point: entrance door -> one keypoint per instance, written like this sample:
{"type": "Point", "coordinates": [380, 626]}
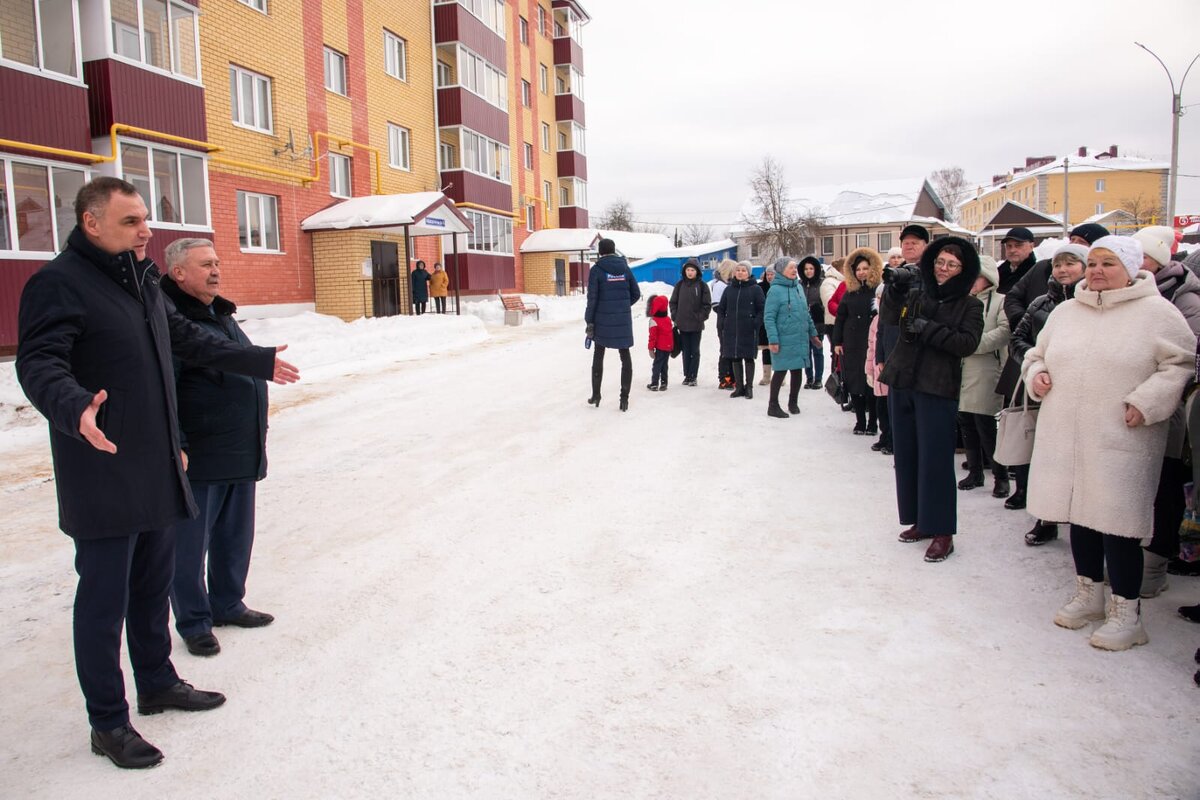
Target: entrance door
{"type": "Point", "coordinates": [385, 279]}
{"type": "Point", "coordinates": [560, 277]}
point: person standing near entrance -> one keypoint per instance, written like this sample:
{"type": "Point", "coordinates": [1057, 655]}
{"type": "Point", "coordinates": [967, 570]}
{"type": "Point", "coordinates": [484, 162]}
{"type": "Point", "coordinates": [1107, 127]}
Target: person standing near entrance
{"type": "Point", "coordinates": [612, 292]}
{"type": "Point", "coordinates": [420, 287]}
{"type": "Point", "coordinates": [223, 431]}
{"type": "Point", "coordinates": [94, 346]}
{"type": "Point", "coordinates": [439, 287]}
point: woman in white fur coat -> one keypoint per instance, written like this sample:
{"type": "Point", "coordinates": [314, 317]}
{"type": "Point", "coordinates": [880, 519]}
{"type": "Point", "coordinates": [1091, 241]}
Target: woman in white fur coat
{"type": "Point", "coordinates": [1109, 368]}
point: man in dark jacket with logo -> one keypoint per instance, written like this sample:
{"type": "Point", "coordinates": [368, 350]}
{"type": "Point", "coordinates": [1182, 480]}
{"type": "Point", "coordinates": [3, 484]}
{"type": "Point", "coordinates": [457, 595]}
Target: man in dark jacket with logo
{"type": "Point", "coordinates": [612, 292]}
{"type": "Point", "coordinates": [223, 430]}
{"type": "Point", "coordinates": [691, 303]}
{"type": "Point", "coordinates": [95, 341]}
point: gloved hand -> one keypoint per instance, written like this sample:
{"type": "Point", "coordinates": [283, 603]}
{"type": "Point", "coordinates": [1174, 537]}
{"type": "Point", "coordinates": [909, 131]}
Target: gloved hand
{"type": "Point", "coordinates": [914, 325]}
{"type": "Point", "coordinates": [590, 331]}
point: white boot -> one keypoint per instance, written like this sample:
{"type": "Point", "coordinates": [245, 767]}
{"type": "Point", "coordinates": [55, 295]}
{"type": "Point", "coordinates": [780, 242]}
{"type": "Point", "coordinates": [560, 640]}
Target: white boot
{"type": "Point", "coordinates": [1154, 574]}
{"type": "Point", "coordinates": [1123, 629]}
{"type": "Point", "coordinates": [1086, 606]}
{"type": "Point", "coordinates": [766, 376]}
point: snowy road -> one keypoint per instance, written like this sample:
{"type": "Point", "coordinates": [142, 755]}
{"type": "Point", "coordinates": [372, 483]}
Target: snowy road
{"type": "Point", "coordinates": [486, 588]}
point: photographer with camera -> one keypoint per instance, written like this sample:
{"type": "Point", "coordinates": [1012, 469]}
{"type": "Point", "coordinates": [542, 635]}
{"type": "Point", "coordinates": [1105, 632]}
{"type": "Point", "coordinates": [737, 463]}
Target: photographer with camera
{"type": "Point", "coordinates": [940, 325]}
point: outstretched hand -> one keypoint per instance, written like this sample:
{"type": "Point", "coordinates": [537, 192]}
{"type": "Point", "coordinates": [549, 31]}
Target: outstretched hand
{"type": "Point", "coordinates": [284, 372]}
{"type": "Point", "coordinates": [88, 428]}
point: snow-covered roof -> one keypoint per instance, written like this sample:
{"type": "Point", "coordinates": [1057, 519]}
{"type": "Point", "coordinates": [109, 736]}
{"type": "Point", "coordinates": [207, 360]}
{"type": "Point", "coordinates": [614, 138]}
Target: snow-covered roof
{"type": "Point", "coordinates": [696, 250]}
{"type": "Point", "coordinates": [957, 230]}
{"type": "Point", "coordinates": [858, 203]}
{"type": "Point", "coordinates": [633, 244]}
{"type": "Point", "coordinates": [1078, 163]}
{"type": "Point", "coordinates": [560, 240]}
{"type": "Point", "coordinates": [424, 213]}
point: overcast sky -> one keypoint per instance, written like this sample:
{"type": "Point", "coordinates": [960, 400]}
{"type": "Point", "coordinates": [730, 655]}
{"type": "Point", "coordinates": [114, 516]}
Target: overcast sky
{"type": "Point", "coordinates": [685, 97]}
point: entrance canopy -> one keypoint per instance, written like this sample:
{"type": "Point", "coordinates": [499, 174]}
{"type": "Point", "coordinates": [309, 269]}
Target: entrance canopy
{"type": "Point", "coordinates": [561, 240]}
{"type": "Point", "coordinates": [417, 214]}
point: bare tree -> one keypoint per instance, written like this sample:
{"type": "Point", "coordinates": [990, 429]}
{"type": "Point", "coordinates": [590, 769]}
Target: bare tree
{"type": "Point", "coordinates": [951, 186]}
{"type": "Point", "coordinates": [1144, 210]}
{"type": "Point", "coordinates": [617, 217]}
{"type": "Point", "coordinates": [696, 234]}
{"type": "Point", "coordinates": [775, 226]}
{"type": "Point", "coordinates": [651, 227]}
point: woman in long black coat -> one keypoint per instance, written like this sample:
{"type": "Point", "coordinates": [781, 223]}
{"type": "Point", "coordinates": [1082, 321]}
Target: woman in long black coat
{"type": "Point", "coordinates": [738, 316]}
{"type": "Point", "coordinates": [811, 275]}
{"type": "Point", "coordinates": [765, 285]}
{"type": "Point", "coordinates": [863, 271]}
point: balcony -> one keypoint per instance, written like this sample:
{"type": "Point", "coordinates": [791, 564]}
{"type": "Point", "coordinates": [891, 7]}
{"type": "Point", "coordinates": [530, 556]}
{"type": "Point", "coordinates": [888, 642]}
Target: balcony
{"type": "Point", "coordinates": [457, 106]}
{"type": "Point", "coordinates": [572, 164]}
{"type": "Point", "coordinates": [55, 112]}
{"type": "Point", "coordinates": [470, 187]}
{"type": "Point", "coordinates": [453, 23]}
{"type": "Point", "coordinates": [481, 272]}
{"type": "Point", "coordinates": [568, 107]}
{"type": "Point", "coordinates": [568, 51]}
{"type": "Point", "coordinates": [572, 217]}
{"type": "Point", "coordinates": [120, 92]}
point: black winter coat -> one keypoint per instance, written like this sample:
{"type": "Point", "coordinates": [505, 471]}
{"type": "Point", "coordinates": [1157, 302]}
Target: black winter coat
{"type": "Point", "coordinates": [850, 330]}
{"type": "Point", "coordinates": [1009, 275]}
{"type": "Point", "coordinates": [812, 296]}
{"type": "Point", "coordinates": [90, 321]}
{"type": "Point", "coordinates": [1025, 335]}
{"type": "Point", "coordinates": [691, 303]}
{"type": "Point", "coordinates": [931, 361]}
{"type": "Point", "coordinates": [222, 416]}
{"type": "Point", "coordinates": [420, 285]}
{"type": "Point", "coordinates": [739, 315]}
{"type": "Point", "coordinates": [612, 291]}
{"type": "Point", "coordinates": [1030, 287]}
{"type": "Point", "coordinates": [765, 285]}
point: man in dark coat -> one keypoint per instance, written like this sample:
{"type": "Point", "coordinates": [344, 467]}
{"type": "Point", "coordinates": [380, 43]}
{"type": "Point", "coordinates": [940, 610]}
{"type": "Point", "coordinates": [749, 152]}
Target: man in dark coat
{"type": "Point", "coordinates": [95, 341]}
{"type": "Point", "coordinates": [1018, 258]}
{"type": "Point", "coordinates": [612, 292]}
{"type": "Point", "coordinates": [420, 287]}
{"type": "Point", "coordinates": [223, 430]}
{"type": "Point", "coordinates": [691, 303]}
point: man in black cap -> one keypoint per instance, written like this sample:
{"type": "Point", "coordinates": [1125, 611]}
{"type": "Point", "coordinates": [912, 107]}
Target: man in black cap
{"type": "Point", "coordinates": [1018, 258]}
{"type": "Point", "coordinates": [1033, 284]}
{"type": "Point", "coordinates": [913, 240]}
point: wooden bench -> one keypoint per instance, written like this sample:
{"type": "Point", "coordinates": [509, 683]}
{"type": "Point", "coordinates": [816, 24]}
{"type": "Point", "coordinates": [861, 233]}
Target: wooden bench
{"type": "Point", "coordinates": [514, 302]}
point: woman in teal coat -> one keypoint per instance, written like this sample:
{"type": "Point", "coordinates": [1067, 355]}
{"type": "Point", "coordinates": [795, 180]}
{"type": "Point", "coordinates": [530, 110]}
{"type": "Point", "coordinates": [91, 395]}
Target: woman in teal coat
{"type": "Point", "coordinates": [790, 331]}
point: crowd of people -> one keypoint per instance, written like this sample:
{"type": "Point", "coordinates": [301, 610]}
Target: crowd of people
{"type": "Point", "coordinates": [928, 344]}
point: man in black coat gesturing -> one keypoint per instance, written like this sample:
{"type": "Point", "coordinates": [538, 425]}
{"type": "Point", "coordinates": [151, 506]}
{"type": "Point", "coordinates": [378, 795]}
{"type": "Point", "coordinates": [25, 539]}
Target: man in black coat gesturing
{"type": "Point", "coordinates": [94, 348]}
{"type": "Point", "coordinates": [223, 431]}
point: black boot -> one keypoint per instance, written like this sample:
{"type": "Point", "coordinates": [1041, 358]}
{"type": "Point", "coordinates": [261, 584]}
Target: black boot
{"type": "Point", "coordinates": [973, 480]}
{"type": "Point", "coordinates": [652, 386]}
{"type": "Point", "coordinates": [597, 379]}
{"type": "Point", "coordinates": [739, 379]}
{"type": "Point", "coordinates": [1001, 488]}
{"type": "Point", "coordinates": [749, 379]}
{"type": "Point", "coordinates": [626, 378]}
{"type": "Point", "coordinates": [1041, 533]}
{"type": "Point", "coordinates": [1017, 501]}
{"type": "Point", "coordinates": [794, 396]}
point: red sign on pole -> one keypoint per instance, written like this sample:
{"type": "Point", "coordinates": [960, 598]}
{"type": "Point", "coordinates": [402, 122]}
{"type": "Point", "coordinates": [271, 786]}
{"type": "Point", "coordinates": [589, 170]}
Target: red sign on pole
{"type": "Point", "coordinates": [1186, 220]}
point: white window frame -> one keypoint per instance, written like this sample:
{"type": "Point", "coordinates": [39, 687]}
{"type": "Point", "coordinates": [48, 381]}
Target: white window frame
{"type": "Point", "coordinates": [173, 6]}
{"type": "Point", "coordinates": [546, 137]}
{"type": "Point", "coordinates": [827, 250]}
{"type": "Point", "coordinates": [487, 229]}
{"type": "Point", "coordinates": [528, 155]}
{"type": "Point", "coordinates": [574, 193]}
{"type": "Point", "coordinates": [152, 204]}
{"type": "Point", "coordinates": [548, 191]}
{"type": "Point", "coordinates": [339, 166]}
{"type": "Point", "coordinates": [9, 202]}
{"type": "Point", "coordinates": [399, 143]}
{"type": "Point", "coordinates": [495, 156]}
{"type": "Point", "coordinates": [573, 86]}
{"type": "Point", "coordinates": [332, 58]}
{"type": "Point", "coordinates": [530, 217]}
{"type": "Point", "coordinates": [862, 240]}
{"type": "Point", "coordinates": [236, 74]}
{"type": "Point", "coordinates": [574, 138]}
{"type": "Point", "coordinates": [880, 246]}
{"type": "Point", "coordinates": [395, 56]}
{"type": "Point", "coordinates": [244, 199]}
{"type": "Point", "coordinates": [543, 79]}
{"type": "Point", "coordinates": [257, 5]}
{"type": "Point", "coordinates": [541, 17]}
{"type": "Point", "coordinates": [490, 12]}
{"type": "Point", "coordinates": [523, 26]}
{"type": "Point", "coordinates": [40, 68]}
{"type": "Point", "coordinates": [1099, 208]}
{"type": "Point", "coordinates": [443, 75]}
{"type": "Point", "coordinates": [526, 93]}
{"type": "Point", "coordinates": [446, 156]}
{"type": "Point", "coordinates": [476, 68]}
{"type": "Point", "coordinates": [1100, 184]}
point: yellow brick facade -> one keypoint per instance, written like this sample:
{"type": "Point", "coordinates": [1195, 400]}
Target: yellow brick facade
{"type": "Point", "coordinates": [539, 271]}
{"type": "Point", "coordinates": [338, 266]}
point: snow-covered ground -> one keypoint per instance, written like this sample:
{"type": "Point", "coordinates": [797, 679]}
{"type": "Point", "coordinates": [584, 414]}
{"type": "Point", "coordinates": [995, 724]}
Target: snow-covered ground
{"type": "Point", "coordinates": [486, 588]}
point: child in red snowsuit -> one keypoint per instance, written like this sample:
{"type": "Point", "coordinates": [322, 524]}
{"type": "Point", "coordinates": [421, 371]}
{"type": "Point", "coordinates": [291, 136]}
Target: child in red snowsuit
{"type": "Point", "coordinates": [661, 341]}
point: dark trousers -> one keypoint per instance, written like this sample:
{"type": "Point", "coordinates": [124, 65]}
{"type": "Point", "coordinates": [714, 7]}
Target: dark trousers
{"type": "Point", "coordinates": [979, 441]}
{"type": "Point", "coordinates": [923, 435]}
{"type": "Point", "coordinates": [124, 581]}
{"type": "Point", "coordinates": [1169, 505]}
{"type": "Point", "coordinates": [598, 370]}
{"type": "Point", "coordinates": [816, 372]}
{"type": "Point", "coordinates": [439, 305]}
{"type": "Point", "coordinates": [689, 342]}
{"type": "Point", "coordinates": [224, 532]}
{"type": "Point", "coordinates": [885, 421]}
{"type": "Point", "coordinates": [864, 410]}
{"type": "Point", "coordinates": [658, 369]}
{"type": "Point", "coordinates": [1092, 550]}
{"type": "Point", "coordinates": [420, 306]}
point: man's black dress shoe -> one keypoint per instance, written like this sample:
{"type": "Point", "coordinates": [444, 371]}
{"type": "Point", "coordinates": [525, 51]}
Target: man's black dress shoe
{"type": "Point", "coordinates": [126, 748]}
{"type": "Point", "coordinates": [181, 696]}
{"type": "Point", "coordinates": [249, 619]}
{"type": "Point", "coordinates": [202, 644]}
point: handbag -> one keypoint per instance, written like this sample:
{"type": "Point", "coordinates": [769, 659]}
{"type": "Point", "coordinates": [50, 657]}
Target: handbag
{"type": "Point", "coordinates": [677, 342]}
{"type": "Point", "coordinates": [834, 385]}
{"type": "Point", "coordinates": [1015, 429]}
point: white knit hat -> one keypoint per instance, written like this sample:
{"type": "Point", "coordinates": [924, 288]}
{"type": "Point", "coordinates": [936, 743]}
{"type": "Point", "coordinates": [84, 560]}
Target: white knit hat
{"type": "Point", "coordinates": [895, 251]}
{"type": "Point", "coordinates": [1079, 251]}
{"type": "Point", "coordinates": [1157, 241]}
{"type": "Point", "coordinates": [1127, 248]}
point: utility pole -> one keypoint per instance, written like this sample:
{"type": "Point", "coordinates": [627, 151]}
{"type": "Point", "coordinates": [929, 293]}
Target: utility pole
{"type": "Point", "coordinates": [1066, 196]}
{"type": "Point", "coordinates": [1176, 113]}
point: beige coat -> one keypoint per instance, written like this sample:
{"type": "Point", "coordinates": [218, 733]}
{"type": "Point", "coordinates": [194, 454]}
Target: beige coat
{"type": "Point", "coordinates": [980, 372]}
{"type": "Point", "coordinates": [1104, 350]}
{"type": "Point", "coordinates": [830, 284]}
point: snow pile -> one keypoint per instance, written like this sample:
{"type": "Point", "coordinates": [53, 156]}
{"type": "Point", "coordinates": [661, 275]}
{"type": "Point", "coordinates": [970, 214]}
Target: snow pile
{"type": "Point", "coordinates": [1047, 248]}
{"type": "Point", "coordinates": [15, 410]}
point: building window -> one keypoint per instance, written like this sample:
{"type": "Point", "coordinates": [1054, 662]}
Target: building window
{"type": "Point", "coordinates": [564, 196]}
{"type": "Point", "coordinates": [477, 75]}
{"type": "Point", "coordinates": [568, 80]}
{"type": "Point", "coordinates": [491, 234]}
{"type": "Point", "coordinates": [526, 94]}
{"type": "Point", "coordinates": [37, 205]}
{"type": "Point", "coordinates": [524, 28]}
{"type": "Point", "coordinates": [395, 56]}
{"type": "Point", "coordinates": [547, 193]}
{"type": "Point", "coordinates": [173, 184]}
{"type": "Point", "coordinates": [164, 36]}
{"type": "Point", "coordinates": [40, 35]}
{"type": "Point", "coordinates": [446, 152]}
{"type": "Point", "coordinates": [573, 192]}
{"type": "Point", "coordinates": [339, 175]}
{"type": "Point", "coordinates": [528, 156]}
{"type": "Point", "coordinates": [571, 137]}
{"type": "Point", "coordinates": [543, 79]}
{"type": "Point", "coordinates": [862, 240]}
{"type": "Point", "coordinates": [258, 5]}
{"type": "Point", "coordinates": [1099, 184]}
{"type": "Point", "coordinates": [489, 12]}
{"type": "Point", "coordinates": [541, 21]}
{"type": "Point", "coordinates": [258, 222]}
{"type": "Point", "coordinates": [398, 147]}
{"type": "Point", "coordinates": [250, 97]}
{"type": "Point", "coordinates": [486, 157]}
{"type": "Point", "coordinates": [445, 74]}
{"type": "Point", "coordinates": [752, 250]}
{"type": "Point", "coordinates": [531, 217]}
{"type": "Point", "coordinates": [335, 71]}
{"type": "Point", "coordinates": [885, 242]}
{"type": "Point", "coordinates": [1099, 208]}
{"type": "Point", "coordinates": [546, 136]}
{"type": "Point", "coordinates": [826, 245]}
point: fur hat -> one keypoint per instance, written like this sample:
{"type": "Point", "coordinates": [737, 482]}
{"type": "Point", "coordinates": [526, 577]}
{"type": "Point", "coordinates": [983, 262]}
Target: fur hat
{"type": "Point", "coordinates": [874, 266]}
{"type": "Point", "coordinates": [1077, 250]}
{"type": "Point", "coordinates": [1157, 242]}
{"type": "Point", "coordinates": [1127, 248]}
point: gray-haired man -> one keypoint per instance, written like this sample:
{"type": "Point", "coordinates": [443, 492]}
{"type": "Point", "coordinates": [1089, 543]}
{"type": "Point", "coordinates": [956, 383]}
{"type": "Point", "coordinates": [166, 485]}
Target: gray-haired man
{"type": "Point", "coordinates": [223, 431]}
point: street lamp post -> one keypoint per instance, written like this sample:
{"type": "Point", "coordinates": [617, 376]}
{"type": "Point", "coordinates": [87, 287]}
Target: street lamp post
{"type": "Point", "coordinates": [1176, 113]}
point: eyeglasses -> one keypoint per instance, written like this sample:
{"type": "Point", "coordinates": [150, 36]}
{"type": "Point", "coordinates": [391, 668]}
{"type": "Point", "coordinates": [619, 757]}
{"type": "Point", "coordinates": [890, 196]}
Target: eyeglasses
{"type": "Point", "coordinates": [944, 264]}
